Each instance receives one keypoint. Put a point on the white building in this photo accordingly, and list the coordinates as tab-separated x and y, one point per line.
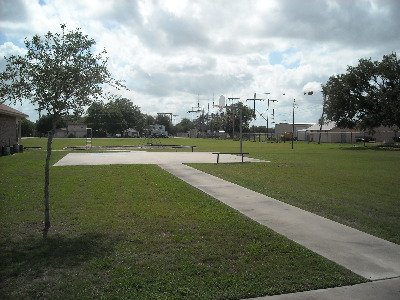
131	132
158	130
72	130
286	129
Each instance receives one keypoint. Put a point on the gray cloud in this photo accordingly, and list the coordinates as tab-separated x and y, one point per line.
181	32
167	32
12	11
167	84
181	49
194	66
352	23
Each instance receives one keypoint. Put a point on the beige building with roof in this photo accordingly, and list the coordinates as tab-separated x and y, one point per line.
10	125
330	133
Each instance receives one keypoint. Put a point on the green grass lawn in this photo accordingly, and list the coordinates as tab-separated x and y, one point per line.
353	186
135	231
357	186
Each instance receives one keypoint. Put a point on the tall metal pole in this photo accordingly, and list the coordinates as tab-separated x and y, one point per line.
272	100
254	113
267	114
294	100
267	118
233	124
322	120
240	129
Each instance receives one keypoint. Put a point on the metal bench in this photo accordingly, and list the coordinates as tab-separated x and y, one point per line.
232	153
180	147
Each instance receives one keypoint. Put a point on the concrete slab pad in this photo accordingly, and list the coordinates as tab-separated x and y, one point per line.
143	157
364	254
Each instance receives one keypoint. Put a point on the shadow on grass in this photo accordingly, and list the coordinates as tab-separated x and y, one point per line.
374	147
357	148
35	255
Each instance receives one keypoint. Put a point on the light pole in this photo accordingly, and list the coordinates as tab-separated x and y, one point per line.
272	100
323	112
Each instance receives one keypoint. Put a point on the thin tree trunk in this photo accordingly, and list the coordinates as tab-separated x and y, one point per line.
47	183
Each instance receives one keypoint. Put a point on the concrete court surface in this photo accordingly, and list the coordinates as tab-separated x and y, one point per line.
143	157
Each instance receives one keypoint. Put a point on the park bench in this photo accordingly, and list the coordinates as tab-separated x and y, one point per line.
232	153
180	147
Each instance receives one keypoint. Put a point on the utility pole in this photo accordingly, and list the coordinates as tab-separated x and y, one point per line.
294	102
233	115
254	112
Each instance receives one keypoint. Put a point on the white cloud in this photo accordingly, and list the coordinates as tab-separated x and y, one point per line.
168	51
7	49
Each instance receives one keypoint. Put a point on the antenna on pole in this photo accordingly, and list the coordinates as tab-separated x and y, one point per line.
254	112
166	114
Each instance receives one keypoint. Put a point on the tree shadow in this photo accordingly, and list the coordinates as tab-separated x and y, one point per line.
38	254
355	148
382	147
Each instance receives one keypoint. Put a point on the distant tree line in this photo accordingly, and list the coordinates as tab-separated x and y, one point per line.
120	114
227	120
115	117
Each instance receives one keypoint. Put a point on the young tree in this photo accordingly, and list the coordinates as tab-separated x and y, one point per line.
367	96
59	74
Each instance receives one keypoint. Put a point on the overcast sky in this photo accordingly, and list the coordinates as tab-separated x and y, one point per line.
168	52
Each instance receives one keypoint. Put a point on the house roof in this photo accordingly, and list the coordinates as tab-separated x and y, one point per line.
9	111
325	127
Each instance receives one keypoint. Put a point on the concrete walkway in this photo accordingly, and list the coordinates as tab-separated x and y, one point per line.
388	289
364	254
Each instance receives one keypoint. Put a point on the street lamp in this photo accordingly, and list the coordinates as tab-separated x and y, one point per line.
323	112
